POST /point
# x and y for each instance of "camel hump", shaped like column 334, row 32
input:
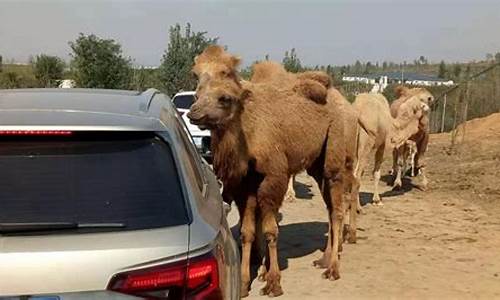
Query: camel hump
column 318, row 76
column 401, row 91
column 312, row 90
column 267, row 71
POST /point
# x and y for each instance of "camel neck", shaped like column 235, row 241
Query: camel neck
column 230, row 153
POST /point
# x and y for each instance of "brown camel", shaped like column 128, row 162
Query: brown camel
column 261, row 135
column 302, row 83
column 380, row 131
column 421, row 138
column 273, row 73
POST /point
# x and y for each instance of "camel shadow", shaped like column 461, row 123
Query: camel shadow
column 408, row 185
column 295, row 240
column 302, row 190
column 365, row 198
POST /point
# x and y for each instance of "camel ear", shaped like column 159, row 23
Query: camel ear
column 234, row 61
column 401, row 91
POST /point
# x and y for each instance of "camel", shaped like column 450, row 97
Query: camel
column 269, row 71
column 380, row 131
column 421, row 138
column 305, row 83
column 261, row 135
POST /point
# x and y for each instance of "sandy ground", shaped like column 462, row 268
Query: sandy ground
column 443, row 243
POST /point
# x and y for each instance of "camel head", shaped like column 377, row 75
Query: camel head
column 421, row 93
column 219, row 94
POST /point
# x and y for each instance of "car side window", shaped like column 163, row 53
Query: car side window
column 194, row 159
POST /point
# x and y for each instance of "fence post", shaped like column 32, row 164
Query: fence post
column 467, row 91
column 444, row 113
column 454, row 130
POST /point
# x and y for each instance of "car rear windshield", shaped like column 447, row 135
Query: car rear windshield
column 183, row 101
column 90, row 177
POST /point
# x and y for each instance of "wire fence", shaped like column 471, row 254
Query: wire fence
column 478, row 95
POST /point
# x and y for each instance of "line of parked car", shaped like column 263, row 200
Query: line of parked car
column 105, row 196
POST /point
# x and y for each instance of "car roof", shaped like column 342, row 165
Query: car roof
column 84, row 109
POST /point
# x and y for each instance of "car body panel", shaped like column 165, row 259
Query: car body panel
column 80, row 266
column 92, row 258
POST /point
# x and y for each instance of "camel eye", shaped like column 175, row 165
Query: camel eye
column 225, row 101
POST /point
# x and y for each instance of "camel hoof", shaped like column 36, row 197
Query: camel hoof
column 397, row 185
column 378, row 203
column 321, row 263
column 331, row 274
column 244, row 290
column 352, row 237
column 272, row 288
column 262, row 272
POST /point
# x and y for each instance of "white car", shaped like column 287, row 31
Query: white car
column 201, row 138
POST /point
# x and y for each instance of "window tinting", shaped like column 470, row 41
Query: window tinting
column 117, row 177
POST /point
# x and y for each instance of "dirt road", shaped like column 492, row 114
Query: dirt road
column 440, row 244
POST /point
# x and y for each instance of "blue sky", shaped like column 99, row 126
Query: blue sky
column 323, row 32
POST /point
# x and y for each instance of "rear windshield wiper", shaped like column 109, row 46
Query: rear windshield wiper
column 50, row 226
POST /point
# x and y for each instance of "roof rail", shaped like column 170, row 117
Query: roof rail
column 146, row 98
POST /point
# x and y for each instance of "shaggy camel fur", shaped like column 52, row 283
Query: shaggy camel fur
column 302, row 83
column 261, row 135
column 380, row 131
column 421, row 138
column 273, row 73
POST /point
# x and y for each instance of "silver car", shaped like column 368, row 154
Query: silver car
column 103, row 196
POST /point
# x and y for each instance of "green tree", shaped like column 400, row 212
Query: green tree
column 442, row 70
column 99, row 63
column 1, row 64
column 368, row 68
column 358, row 68
column 457, row 71
column 291, row 61
column 48, row 69
column 10, row 80
column 178, row 59
column 497, row 56
column 384, row 66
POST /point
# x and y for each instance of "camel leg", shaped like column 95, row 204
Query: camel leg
column 413, row 152
column 379, row 158
column 398, row 183
column 353, row 202
column 271, row 191
column 419, row 157
column 290, row 193
column 366, row 144
column 395, row 156
column 335, row 186
column 316, row 171
column 247, row 238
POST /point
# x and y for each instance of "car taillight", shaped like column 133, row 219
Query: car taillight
column 35, row 132
column 195, row 279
